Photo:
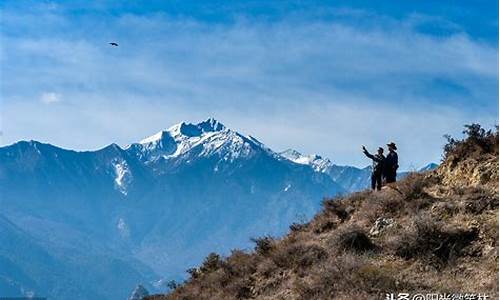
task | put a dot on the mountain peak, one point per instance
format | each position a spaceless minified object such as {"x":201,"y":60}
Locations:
{"x":429,"y":167}
{"x":211,"y":124}
{"x":209,"y":137}
{"x":187,"y":130}
{"x":192,"y":130}
{"x":317,"y":162}
{"x":155,"y":137}
{"x":291,"y":154}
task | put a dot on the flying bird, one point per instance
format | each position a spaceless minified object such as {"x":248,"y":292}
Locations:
{"x":113,"y":44}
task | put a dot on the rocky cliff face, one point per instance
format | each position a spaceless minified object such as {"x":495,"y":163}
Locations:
{"x":471,"y":172}
{"x":432,"y":232}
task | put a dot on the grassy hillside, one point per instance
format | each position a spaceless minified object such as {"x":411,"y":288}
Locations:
{"x":432,"y":232}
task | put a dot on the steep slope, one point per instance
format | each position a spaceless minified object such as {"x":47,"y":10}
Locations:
{"x":122,"y":216}
{"x":432,"y":232}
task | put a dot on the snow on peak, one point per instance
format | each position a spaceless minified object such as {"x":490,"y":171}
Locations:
{"x":315,"y":161}
{"x":154,"y":138}
{"x":192,"y":130}
{"x":207,"y":137}
{"x":211,"y":124}
{"x":292,"y":155}
{"x":186,"y":130}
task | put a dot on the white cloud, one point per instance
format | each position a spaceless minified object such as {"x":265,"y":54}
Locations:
{"x":50,"y":98}
{"x":320,"y":86}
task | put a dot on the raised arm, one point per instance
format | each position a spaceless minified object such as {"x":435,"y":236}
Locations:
{"x":369,"y":155}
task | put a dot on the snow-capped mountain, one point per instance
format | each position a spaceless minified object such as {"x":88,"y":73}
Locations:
{"x":123,"y":216}
{"x":317,"y":162}
{"x":429,"y":167}
{"x":210,"y":137}
{"x":185,"y":142}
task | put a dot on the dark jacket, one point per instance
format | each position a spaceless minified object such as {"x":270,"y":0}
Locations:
{"x":391,"y":164}
{"x":378,"y":161}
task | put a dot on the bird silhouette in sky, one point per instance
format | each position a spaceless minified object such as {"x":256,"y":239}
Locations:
{"x":113,"y":44}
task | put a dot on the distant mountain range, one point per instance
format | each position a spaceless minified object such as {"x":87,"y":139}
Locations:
{"x":93,"y":224}
{"x":351,"y":179}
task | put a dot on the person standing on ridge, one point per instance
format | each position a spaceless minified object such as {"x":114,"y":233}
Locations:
{"x":391,"y":163}
{"x":378,"y":167}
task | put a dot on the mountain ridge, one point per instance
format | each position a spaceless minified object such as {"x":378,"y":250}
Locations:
{"x":180,"y":138}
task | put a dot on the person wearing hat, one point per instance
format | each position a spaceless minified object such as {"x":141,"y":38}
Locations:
{"x":378,"y":167}
{"x":391,"y":163}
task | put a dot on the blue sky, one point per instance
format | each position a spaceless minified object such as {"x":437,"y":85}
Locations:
{"x":318,"y":76}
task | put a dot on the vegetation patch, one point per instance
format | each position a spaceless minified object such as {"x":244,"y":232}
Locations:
{"x":431,"y":240}
{"x":354,"y":239}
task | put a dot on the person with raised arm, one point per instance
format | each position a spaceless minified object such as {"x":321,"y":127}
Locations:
{"x":377,"y":167}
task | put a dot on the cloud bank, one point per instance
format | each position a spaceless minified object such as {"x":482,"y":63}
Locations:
{"x":320,"y":86}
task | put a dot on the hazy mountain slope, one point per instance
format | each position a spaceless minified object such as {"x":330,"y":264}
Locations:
{"x":432,"y":232}
{"x":350,"y":178}
{"x":35,"y":266}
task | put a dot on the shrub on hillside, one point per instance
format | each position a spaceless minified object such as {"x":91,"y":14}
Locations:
{"x":477,"y":141}
{"x":354,"y":239}
{"x":323,"y":224}
{"x":412,"y":187}
{"x":298,"y":226}
{"x":431,"y":240}
{"x":298,"y":255}
{"x":240,"y":288}
{"x":193,"y":273}
{"x":336,"y":207}
{"x":350,"y":276}
{"x":211,"y":263}
{"x":239,"y":263}
{"x":263,"y":245}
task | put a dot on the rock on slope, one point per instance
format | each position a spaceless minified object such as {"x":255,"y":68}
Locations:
{"x":433,"y":232}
